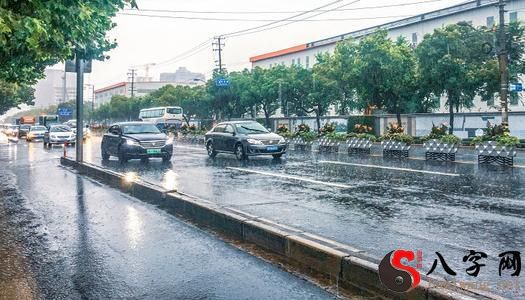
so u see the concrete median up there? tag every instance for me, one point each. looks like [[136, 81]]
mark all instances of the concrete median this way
[[348, 266]]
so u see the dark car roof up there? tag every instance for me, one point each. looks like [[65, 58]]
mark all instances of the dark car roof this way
[[237, 122], [131, 123]]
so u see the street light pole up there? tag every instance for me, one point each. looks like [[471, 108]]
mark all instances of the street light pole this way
[[79, 65], [503, 65]]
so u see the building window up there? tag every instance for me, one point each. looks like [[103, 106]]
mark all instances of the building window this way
[[513, 16], [514, 97], [307, 61], [414, 38], [270, 66], [490, 22], [282, 63], [299, 61], [293, 61]]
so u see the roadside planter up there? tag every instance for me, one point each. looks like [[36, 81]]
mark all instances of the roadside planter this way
[[301, 145], [393, 148], [328, 145], [359, 145], [490, 152], [438, 150], [193, 139]]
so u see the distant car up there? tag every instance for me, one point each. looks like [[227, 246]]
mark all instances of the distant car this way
[[23, 130], [59, 134], [133, 140], [11, 130], [86, 132], [244, 138], [36, 133]]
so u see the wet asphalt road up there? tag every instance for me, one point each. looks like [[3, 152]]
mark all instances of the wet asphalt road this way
[[79, 239], [371, 203]]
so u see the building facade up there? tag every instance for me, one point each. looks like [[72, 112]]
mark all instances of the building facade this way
[[183, 76], [56, 87], [478, 13], [140, 88]]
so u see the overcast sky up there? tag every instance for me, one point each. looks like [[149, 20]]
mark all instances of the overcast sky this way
[[145, 40]]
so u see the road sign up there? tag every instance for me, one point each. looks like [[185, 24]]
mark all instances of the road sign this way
[[222, 82], [515, 87], [65, 111], [70, 66]]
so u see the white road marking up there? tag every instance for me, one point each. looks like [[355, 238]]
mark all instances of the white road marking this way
[[290, 177], [388, 168], [190, 148]]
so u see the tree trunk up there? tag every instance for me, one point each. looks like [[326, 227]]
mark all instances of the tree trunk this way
[[266, 116], [451, 112], [398, 116], [318, 118]]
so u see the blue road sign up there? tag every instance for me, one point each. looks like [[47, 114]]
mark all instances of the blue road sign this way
[[222, 82], [65, 112], [516, 87]]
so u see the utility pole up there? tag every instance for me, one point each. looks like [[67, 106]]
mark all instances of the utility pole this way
[[503, 65], [132, 74], [218, 46], [79, 65]]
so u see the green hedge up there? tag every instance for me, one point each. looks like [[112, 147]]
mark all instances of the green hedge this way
[[363, 120]]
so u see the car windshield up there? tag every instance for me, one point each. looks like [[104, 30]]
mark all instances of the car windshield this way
[[60, 129], [174, 110], [250, 128], [38, 128], [139, 128]]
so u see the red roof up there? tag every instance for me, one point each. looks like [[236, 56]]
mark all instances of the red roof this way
[[116, 85], [294, 49]]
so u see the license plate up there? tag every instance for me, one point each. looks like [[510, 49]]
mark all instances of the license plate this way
[[272, 148], [153, 151]]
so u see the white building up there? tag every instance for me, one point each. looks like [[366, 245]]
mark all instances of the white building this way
[[478, 13], [140, 88], [56, 87]]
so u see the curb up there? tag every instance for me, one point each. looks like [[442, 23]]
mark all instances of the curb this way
[[352, 268]]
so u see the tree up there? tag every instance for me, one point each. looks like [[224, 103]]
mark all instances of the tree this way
[[323, 90], [38, 33], [451, 60], [386, 74], [343, 72], [12, 95]]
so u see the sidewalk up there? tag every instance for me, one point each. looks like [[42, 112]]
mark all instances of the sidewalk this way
[[81, 239]]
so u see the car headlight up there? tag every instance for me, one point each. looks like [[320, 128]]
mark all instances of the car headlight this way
[[131, 142], [254, 141], [30, 134], [282, 141], [169, 141]]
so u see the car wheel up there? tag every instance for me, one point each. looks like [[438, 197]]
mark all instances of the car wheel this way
[[105, 155], [277, 155], [239, 152], [45, 144], [211, 150], [122, 157], [166, 158], [144, 159]]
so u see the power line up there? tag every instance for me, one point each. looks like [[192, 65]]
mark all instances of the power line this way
[[285, 12], [282, 20], [267, 20], [197, 48], [240, 33]]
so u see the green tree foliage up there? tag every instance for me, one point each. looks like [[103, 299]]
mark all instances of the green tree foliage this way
[[38, 33], [12, 95], [386, 74], [451, 61]]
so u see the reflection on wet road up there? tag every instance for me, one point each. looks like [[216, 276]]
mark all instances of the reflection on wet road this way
[[83, 240], [371, 203]]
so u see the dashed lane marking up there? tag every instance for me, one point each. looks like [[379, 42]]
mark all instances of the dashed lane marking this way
[[290, 177], [388, 168]]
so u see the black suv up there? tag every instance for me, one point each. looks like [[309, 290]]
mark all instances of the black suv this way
[[244, 138], [131, 140]]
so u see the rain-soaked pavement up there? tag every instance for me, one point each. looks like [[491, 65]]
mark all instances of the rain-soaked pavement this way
[[371, 203], [63, 236]]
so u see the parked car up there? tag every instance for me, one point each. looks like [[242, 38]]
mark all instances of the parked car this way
[[244, 138], [23, 130], [133, 140], [36, 133], [59, 134]]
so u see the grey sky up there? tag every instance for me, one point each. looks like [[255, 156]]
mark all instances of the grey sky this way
[[152, 40]]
